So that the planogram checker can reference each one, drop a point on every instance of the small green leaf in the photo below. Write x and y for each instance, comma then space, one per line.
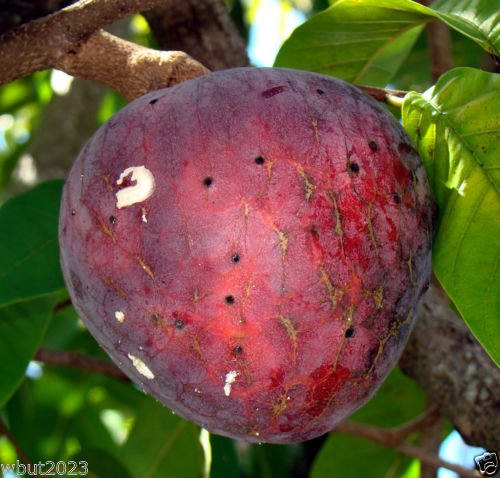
29, 262
361, 41
456, 127
162, 444
477, 19
22, 326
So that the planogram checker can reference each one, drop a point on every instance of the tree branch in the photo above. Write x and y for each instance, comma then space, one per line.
81, 362
131, 69
440, 52
202, 29
73, 43
446, 360
386, 438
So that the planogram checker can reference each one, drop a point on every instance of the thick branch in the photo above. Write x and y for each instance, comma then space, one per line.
131, 69
79, 361
203, 29
72, 42
385, 438
458, 376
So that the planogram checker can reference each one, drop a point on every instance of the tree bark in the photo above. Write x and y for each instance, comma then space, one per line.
202, 29
74, 43
458, 376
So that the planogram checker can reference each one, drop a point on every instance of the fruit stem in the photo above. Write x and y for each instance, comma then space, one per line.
385, 95
396, 101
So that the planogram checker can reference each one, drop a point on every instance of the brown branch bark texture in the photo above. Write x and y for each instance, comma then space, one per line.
202, 29
82, 362
74, 43
458, 376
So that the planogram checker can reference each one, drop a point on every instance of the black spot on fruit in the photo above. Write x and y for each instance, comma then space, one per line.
179, 324
207, 182
354, 167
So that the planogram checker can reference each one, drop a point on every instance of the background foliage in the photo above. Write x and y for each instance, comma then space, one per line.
62, 414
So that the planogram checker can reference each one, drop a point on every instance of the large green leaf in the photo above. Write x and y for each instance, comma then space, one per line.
366, 41
29, 261
162, 444
398, 400
456, 127
22, 326
350, 457
477, 19
224, 459
362, 41
98, 463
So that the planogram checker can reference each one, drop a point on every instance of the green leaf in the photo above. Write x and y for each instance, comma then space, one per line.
269, 460
361, 41
29, 263
477, 19
99, 463
397, 401
162, 444
350, 457
456, 127
22, 326
366, 41
224, 458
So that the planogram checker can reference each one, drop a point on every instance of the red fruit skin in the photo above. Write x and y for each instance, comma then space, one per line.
268, 284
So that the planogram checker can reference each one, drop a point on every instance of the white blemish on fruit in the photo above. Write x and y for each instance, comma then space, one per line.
120, 316
141, 367
143, 217
230, 378
138, 192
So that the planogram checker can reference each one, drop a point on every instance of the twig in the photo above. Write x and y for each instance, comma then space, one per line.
431, 438
386, 438
398, 434
79, 361
19, 451
61, 305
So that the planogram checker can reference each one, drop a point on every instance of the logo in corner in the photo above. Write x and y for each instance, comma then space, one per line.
487, 463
